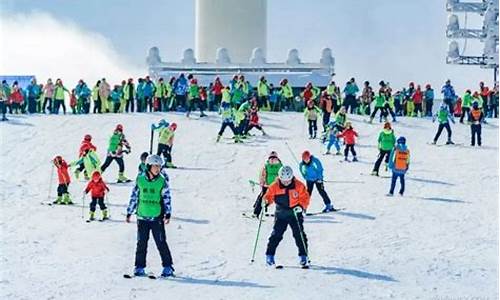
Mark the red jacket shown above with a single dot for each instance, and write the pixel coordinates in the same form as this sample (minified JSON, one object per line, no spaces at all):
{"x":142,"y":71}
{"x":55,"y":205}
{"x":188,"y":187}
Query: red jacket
{"x":98,"y":189}
{"x":16,"y":97}
{"x":217,"y":88}
{"x":417,"y":97}
{"x":62,"y":173}
{"x":72,"y":101}
{"x":254,"y":119}
{"x":85,"y":146}
{"x":349,"y":136}
{"x":307,"y":95}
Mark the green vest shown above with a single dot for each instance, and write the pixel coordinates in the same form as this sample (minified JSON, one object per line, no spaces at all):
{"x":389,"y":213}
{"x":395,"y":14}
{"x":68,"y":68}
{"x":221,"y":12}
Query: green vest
{"x":272,"y":172}
{"x":467,"y":100}
{"x":226,"y":96}
{"x":287,"y":91}
{"x":379,"y":101}
{"x":149,"y":205}
{"x":443,"y":116}
{"x":114,"y":141}
{"x":330,"y":89}
{"x":165,"y":135}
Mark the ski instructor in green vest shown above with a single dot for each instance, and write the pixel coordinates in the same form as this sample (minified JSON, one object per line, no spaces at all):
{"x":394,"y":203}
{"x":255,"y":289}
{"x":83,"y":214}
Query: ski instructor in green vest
{"x":151,"y":200}
{"x":268,"y":175}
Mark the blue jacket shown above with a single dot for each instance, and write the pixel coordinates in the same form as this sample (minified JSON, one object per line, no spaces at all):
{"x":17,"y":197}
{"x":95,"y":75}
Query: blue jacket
{"x":313,"y":171}
{"x":180,"y":86}
{"x":148,"y":89}
{"x":33,"y":91}
{"x":82,"y":91}
{"x":429,"y":94}
{"x":448,"y":92}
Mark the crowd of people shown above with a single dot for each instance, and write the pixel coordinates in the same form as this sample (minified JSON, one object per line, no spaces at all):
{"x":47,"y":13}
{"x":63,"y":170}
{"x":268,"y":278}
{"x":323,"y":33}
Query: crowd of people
{"x":185,"y":94}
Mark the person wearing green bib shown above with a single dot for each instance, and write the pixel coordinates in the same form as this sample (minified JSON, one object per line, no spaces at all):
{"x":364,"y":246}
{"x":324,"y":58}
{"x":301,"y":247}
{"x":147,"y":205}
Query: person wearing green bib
{"x":443,"y":116}
{"x":151,"y":201}
{"x":115,"y":152}
{"x":268,"y":175}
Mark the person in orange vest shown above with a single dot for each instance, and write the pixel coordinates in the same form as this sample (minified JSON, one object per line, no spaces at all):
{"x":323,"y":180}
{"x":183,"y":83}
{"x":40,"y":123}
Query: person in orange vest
{"x":399,"y":162}
{"x":476,"y":116}
{"x":292,"y":199}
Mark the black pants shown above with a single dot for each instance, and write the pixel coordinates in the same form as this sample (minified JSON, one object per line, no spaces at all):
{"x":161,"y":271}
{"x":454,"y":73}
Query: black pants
{"x":116,"y":107}
{"x":428,"y":107}
{"x":465,"y":112}
{"x":321,"y":190}
{"x":166,"y":151}
{"x":347,"y":148}
{"x":449,"y":102}
{"x":381,"y":155}
{"x":158,"y":229}
{"x":326,"y":119}
{"x":164,"y":104}
{"x":257,"y":206}
{"x":279,"y":228}
{"x":252,"y":126}
{"x":313,"y":127}
{"x":3,"y":110}
{"x":440,"y":129}
{"x":181,"y":100}
{"x":418,"y":108}
{"x":97,"y":106}
{"x":262,"y":101}
{"x":109,"y":159}
{"x":57,"y":104}
{"x":242,"y":127}
{"x":62,"y":189}
{"x":31,"y":105}
{"x":226,"y":124}
{"x":475,"y":131}
{"x":97,"y":200}
{"x":45,"y":102}
{"x":383,"y":112}
{"x":350,"y":101}
{"x":129,"y":105}
{"x":394,"y":178}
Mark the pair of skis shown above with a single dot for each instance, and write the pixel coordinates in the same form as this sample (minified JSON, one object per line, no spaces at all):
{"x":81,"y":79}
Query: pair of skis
{"x":149,"y":275}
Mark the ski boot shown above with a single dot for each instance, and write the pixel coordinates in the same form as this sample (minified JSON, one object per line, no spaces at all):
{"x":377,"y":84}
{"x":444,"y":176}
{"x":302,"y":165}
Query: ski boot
{"x":327,"y":152}
{"x":433,"y":142}
{"x":303,"y":260}
{"x":218,"y":139}
{"x":237,"y":139}
{"x":389,"y":194}
{"x":328,"y":208}
{"x":450,"y":142}
{"x":91,"y":216}
{"x":77,"y":174}
{"x":122,"y":178}
{"x":202,"y":115}
{"x":374,"y":173}
{"x":346,"y":159}
{"x":354,"y":158}
{"x":104,"y":215}
{"x":168,"y":271}
{"x":67,"y":199}
{"x":140,"y":272}
{"x":59,"y":200}
{"x":170,"y":165}
{"x":371,"y":120}
{"x":401,"y":194}
{"x":270,"y":260}
{"x":338,"y":153}
{"x":85,"y":175}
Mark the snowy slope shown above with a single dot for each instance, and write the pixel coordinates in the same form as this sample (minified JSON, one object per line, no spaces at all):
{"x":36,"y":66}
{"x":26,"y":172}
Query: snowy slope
{"x":440,"y":240}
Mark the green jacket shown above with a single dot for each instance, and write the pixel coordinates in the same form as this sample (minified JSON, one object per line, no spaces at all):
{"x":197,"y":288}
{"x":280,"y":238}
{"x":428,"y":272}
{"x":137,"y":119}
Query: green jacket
{"x":262,"y":89}
{"x":59,"y":92}
{"x":467,"y":100}
{"x":386,"y":140}
{"x":287,"y":91}
{"x":312,"y":114}
{"x":194,"y":91}
{"x":165,"y":135}
{"x":379,"y":101}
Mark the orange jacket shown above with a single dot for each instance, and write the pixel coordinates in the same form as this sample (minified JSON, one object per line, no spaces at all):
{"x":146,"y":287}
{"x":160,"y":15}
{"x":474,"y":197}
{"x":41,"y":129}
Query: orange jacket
{"x":287,"y":196}
{"x":62,"y":173}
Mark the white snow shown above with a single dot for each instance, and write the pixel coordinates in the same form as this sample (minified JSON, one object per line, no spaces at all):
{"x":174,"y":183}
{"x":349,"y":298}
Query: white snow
{"x":439,"y":240}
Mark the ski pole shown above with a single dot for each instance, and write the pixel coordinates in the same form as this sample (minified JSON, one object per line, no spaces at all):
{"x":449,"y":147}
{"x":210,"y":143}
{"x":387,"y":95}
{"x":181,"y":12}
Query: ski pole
{"x":301,"y":235}
{"x":50,"y":182}
{"x":291,"y":152}
{"x":257,"y":237}
{"x":106,"y":201}
{"x":151,"y":142}
{"x":83,"y":205}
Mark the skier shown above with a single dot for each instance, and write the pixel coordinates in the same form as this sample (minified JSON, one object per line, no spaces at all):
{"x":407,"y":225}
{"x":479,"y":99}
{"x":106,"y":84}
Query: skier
{"x":312,"y":171}
{"x":267,"y":176}
{"x":466,"y":104}
{"x":476,"y":116}
{"x":429,"y":100}
{"x":379,"y":105}
{"x":227,"y":114}
{"x":341,"y":118}
{"x":326,"y":105}
{"x":443,"y":116}
{"x":85,"y":146}
{"x":349,"y":136}
{"x":331,"y":137}
{"x":63,"y":196}
{"x":98,"y":189}
{"x":3,"y":102}
{"x":165,"y":141}
{"x":115,"y":152}
{"x":399,"y":162}
{"x":312,"y":113}
{"x":151,"y":200}
{"x":449,"y":95}
{"x":254,"y":121}
{"x":142,"y":168}
{"x":291,"y":198}
{"x":386,"y":141}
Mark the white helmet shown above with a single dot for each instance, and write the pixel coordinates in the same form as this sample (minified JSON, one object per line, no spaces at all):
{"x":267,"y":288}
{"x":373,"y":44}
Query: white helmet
{"x":155,"y":160}
{"x":285,"y":173}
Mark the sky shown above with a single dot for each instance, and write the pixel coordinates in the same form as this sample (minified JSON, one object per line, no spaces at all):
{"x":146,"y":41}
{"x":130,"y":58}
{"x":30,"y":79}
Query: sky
{"x":395,"y":40}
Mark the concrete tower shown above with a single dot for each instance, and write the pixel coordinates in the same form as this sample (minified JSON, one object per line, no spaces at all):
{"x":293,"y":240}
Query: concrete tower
{"x":237,"y":25}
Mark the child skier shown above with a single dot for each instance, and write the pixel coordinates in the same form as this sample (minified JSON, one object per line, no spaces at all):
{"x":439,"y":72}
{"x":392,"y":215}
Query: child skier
{"x":476,"y":117}
{"x":341,"y":118}
{"x":254,"y":120}
{"x":312,"y":113}
{"x":115,"y":152}
{"x":399,"y":162}
{"x":349,"y":136}
{"x":443,"y":116}
{"x":386,"y":141}
{"x":141,"y":169}
{"x":227,"y":114}
{"x":63,"y":196}
{"x":85,"y":146}
{"x":331,"y":137}
{"x":379,"y":105}
{"x":151,"y":200}
{"x":466,"y":104}
{"x":312,"y":171}
{"x":291,"y":198}
{"x":165,"y":141}
{"x":267,"y":176}
{"x":98,"y":189}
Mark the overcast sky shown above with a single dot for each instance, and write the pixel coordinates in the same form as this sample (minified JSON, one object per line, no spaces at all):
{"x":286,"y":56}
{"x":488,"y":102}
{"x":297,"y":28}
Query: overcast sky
{"x":394,"y":40}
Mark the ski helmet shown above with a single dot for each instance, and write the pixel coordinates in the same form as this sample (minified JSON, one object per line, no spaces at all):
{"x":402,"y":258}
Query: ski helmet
{"x":155,"y":160}
{"x":273,"y":154}
{"x":401,"y":140}
{"x":163,"y":122}
{"x":285,"y":173}
{"x":306,"y":155}
{"x":87,"y":138}
{"x":173,"y":126}
{"x":119,"y":127}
